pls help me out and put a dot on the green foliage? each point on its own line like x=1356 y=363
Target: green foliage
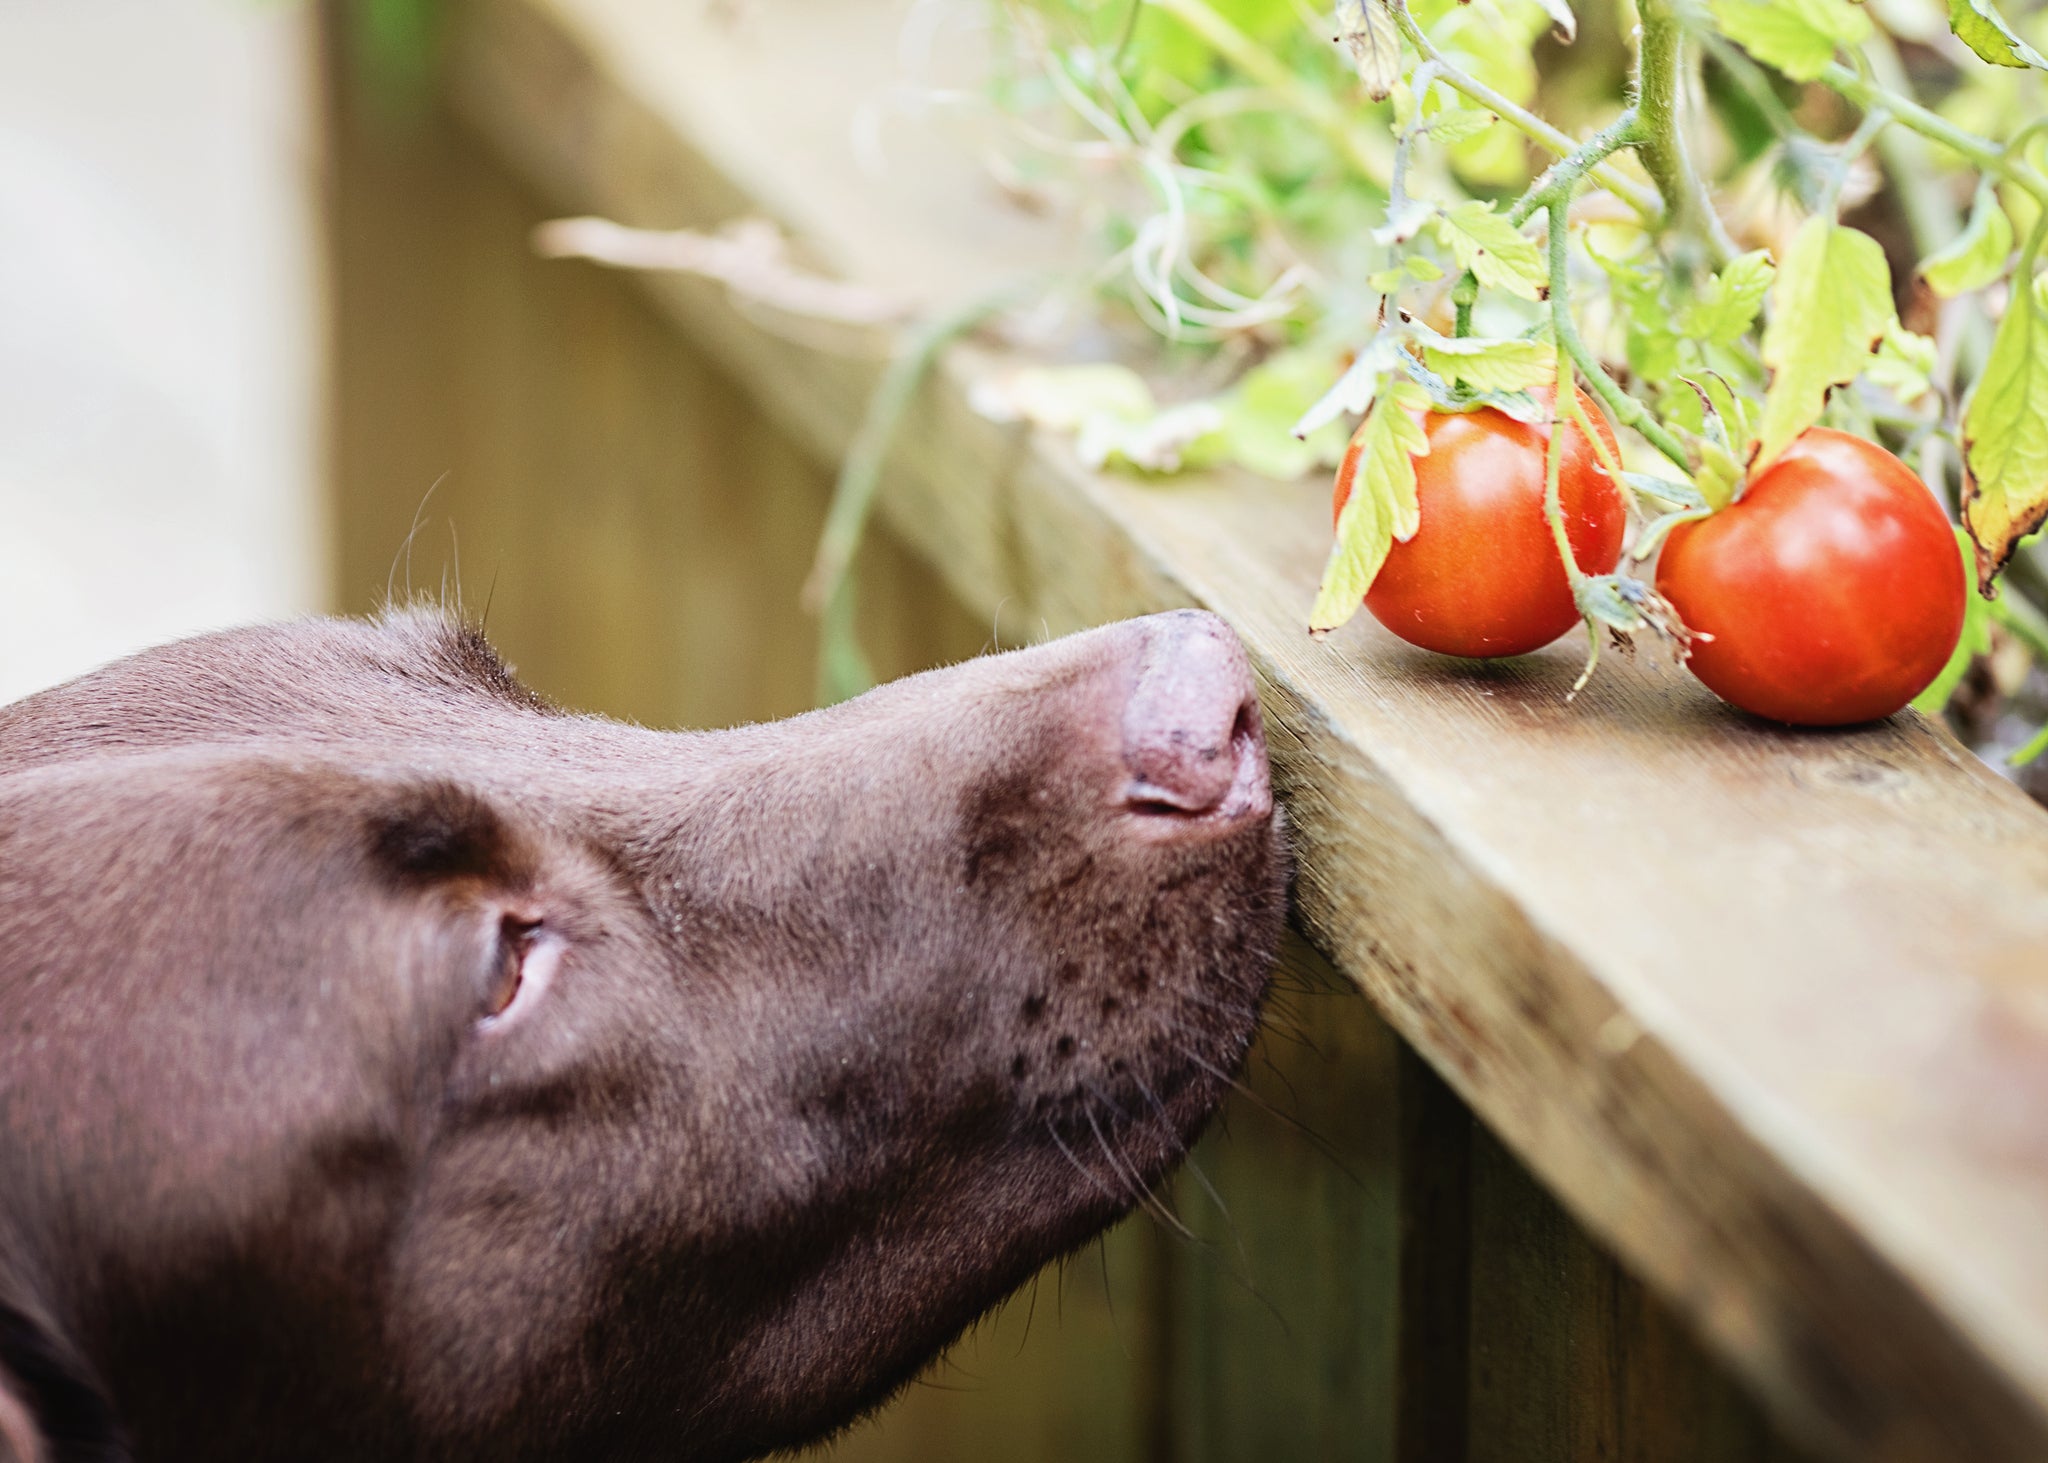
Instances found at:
x=1980 y=27
x=1381 y=465
x=1977 y=255
x=1799 y=37
x=2005 y=434
x=1377 y=176
x=1830 y=307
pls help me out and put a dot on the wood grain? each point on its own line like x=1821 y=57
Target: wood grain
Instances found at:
x=1767 y=1010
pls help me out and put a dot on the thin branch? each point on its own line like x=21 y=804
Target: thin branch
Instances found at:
x=1552 y=139
x=1660 y=77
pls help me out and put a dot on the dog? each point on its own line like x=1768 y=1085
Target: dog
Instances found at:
x=393 y=1066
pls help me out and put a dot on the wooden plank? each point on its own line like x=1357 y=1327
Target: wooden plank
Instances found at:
x=1768 y=1010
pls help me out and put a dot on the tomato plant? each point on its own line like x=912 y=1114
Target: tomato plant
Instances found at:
x=1481 y=575
x=1829 y=592
x=1723 y=221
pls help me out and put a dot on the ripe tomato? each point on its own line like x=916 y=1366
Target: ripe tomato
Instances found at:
x=1832 y=586
x=1482 y=577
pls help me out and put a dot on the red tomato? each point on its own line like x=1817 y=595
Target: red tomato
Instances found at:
x=1482 y=577
x=1832 y=586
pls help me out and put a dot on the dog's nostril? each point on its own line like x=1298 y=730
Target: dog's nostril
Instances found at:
x=1193 y=743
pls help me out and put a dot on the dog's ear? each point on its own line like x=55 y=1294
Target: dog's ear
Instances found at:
x=52 y=1410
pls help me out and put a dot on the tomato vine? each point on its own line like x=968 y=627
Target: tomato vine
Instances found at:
x=1792 y=212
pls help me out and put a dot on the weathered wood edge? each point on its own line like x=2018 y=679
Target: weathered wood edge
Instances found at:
x=1848 y=1348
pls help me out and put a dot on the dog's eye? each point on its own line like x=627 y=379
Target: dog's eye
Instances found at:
x=517 y=942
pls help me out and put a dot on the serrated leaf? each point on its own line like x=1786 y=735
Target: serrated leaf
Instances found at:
x=1799 y=37
x=1456 y=124
x=1977 y=255
x=1366 y=29
x=1353 y=391
x=2005 y=435
x=1490 y=364
x=1726 y=305
x=1422 y=267
x=1830 y=304
x=1491 y=247
x=1380 y=467
x=1975 y=641
x=1979 y=26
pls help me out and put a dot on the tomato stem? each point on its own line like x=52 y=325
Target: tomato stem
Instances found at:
x=1552 y=139
x=1627 y=410
x=1987 y=155
x=1553 y=466
x=1660 y=134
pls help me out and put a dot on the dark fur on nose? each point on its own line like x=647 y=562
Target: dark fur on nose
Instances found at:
x=1192 y=738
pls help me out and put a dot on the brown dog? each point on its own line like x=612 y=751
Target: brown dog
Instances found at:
x=393 y=1067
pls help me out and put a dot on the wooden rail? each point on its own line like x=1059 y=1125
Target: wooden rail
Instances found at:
x=1768 y=1010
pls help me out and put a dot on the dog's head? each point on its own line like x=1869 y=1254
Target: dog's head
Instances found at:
x=389 y=1062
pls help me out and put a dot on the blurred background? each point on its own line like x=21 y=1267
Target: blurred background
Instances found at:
x=161 y=336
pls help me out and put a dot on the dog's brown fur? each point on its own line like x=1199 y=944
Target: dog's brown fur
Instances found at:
x=858 y=1020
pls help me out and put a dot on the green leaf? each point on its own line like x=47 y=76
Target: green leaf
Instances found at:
x=1977 y=255
x=1799 y=37
x=1488 y=245
x=1975 y=641
x=1380 y=465
x=2005 y=435
x=1830 y=305
x=1903 y=363
x=1726 y=305
x=1490 y=364
x=1980 y=27
x=1456 y=124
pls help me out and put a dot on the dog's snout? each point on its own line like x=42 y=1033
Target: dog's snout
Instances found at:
x=1193 y=744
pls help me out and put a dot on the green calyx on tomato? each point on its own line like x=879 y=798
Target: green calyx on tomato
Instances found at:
x=1831 y=588
x=1481 y=575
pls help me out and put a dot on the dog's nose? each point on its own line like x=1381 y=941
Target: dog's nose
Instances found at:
x=1193 y=743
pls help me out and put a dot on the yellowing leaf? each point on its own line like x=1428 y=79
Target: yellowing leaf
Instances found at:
x=1980 y=27
x=1726 y=306
x=1977 y=255
x=1492 y=248
x=1380 y=464
x=1830 y=305
x=1490 y=365
x=1799 y=37
x=1366 y=28
x=2005 y=435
